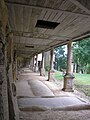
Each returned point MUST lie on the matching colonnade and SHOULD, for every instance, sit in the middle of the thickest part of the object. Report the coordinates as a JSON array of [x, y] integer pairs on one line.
[[68, 77]]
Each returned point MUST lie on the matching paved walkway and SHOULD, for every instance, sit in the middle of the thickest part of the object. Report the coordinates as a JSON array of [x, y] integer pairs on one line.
[[35, 93]]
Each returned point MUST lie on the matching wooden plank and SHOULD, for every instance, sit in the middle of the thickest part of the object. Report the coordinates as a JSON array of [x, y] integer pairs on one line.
[[82, 29], [57, 4], [49, 3], [18, 18], [63, 22], [34, 17], [12, 17], [63, 6], [67, 20], [80, 23], [47, 15], [11, 21], [62, 17], [37, 7], [80, 6], [42, 14], [70, 26], [33, 2], [40, 2], [55, 19], [52, 16], [41, 17], [50, 31], [26, 19]]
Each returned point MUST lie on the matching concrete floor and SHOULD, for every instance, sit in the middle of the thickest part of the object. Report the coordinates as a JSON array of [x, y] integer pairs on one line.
[[39, 99], [34, 92]]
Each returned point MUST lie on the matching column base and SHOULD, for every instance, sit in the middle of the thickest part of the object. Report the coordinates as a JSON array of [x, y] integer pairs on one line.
[[36, 69], [68, 90], [51, 75], [68, 83], [42, 72]]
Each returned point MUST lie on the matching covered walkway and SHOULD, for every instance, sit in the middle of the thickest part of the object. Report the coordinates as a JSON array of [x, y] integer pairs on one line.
[[34, 92], [28, 28], [38, 99]]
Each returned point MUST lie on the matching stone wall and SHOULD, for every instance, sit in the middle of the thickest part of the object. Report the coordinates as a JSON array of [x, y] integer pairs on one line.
[[7, 111], [3, 79]]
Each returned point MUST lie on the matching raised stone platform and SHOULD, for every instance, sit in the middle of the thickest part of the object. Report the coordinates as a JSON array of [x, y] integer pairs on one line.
[[54, 103]]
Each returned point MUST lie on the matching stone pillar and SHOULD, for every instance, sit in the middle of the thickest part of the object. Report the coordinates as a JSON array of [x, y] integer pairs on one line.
[[51, 60], [42, 71], [51, 71], [32, 64], [68, 78], [15, 69], [36, 64], [4, 113]]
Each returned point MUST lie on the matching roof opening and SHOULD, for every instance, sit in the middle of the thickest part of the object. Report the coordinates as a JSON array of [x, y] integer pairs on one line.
[[29, 46], [46, 24]]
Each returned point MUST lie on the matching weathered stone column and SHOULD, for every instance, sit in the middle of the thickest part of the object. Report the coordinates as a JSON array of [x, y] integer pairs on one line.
[[15, 70], [51, 71], [68, 78], [36, 64], [4, 113], [32, 64], [51, 60], [42, 71]]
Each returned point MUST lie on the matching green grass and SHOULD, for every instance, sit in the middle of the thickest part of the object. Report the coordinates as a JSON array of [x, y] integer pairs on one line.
[[58, 75], [81, 81]]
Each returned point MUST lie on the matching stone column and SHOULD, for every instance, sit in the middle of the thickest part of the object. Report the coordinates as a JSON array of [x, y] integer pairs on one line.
[[51, 60], [51, 71], [4, 113], [42, 71], [36, 64], [32, 63], [68, 78]]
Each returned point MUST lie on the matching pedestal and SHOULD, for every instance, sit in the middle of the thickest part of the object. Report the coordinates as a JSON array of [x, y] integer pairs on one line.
[[36, 69], [42, 72], [51, 75], [68, 83]]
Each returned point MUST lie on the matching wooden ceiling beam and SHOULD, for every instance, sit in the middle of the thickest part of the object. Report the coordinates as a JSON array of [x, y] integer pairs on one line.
[[42, 8], [78, 4], [82, 36]]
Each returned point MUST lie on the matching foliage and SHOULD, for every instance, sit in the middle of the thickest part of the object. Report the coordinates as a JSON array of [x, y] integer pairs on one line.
[[58, 75], [60, 57], [81, 54]]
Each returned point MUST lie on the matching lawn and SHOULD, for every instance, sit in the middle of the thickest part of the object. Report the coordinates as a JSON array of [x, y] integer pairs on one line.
[[81, 81]]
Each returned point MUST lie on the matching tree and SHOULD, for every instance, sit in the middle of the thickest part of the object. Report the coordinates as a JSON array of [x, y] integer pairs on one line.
[[81, 55], [60, 57]]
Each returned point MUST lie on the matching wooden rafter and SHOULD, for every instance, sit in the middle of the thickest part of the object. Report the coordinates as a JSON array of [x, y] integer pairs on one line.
[[78, 4], [57, 10]]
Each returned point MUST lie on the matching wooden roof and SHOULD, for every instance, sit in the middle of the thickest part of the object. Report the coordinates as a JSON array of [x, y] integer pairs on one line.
[[73, 17]]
